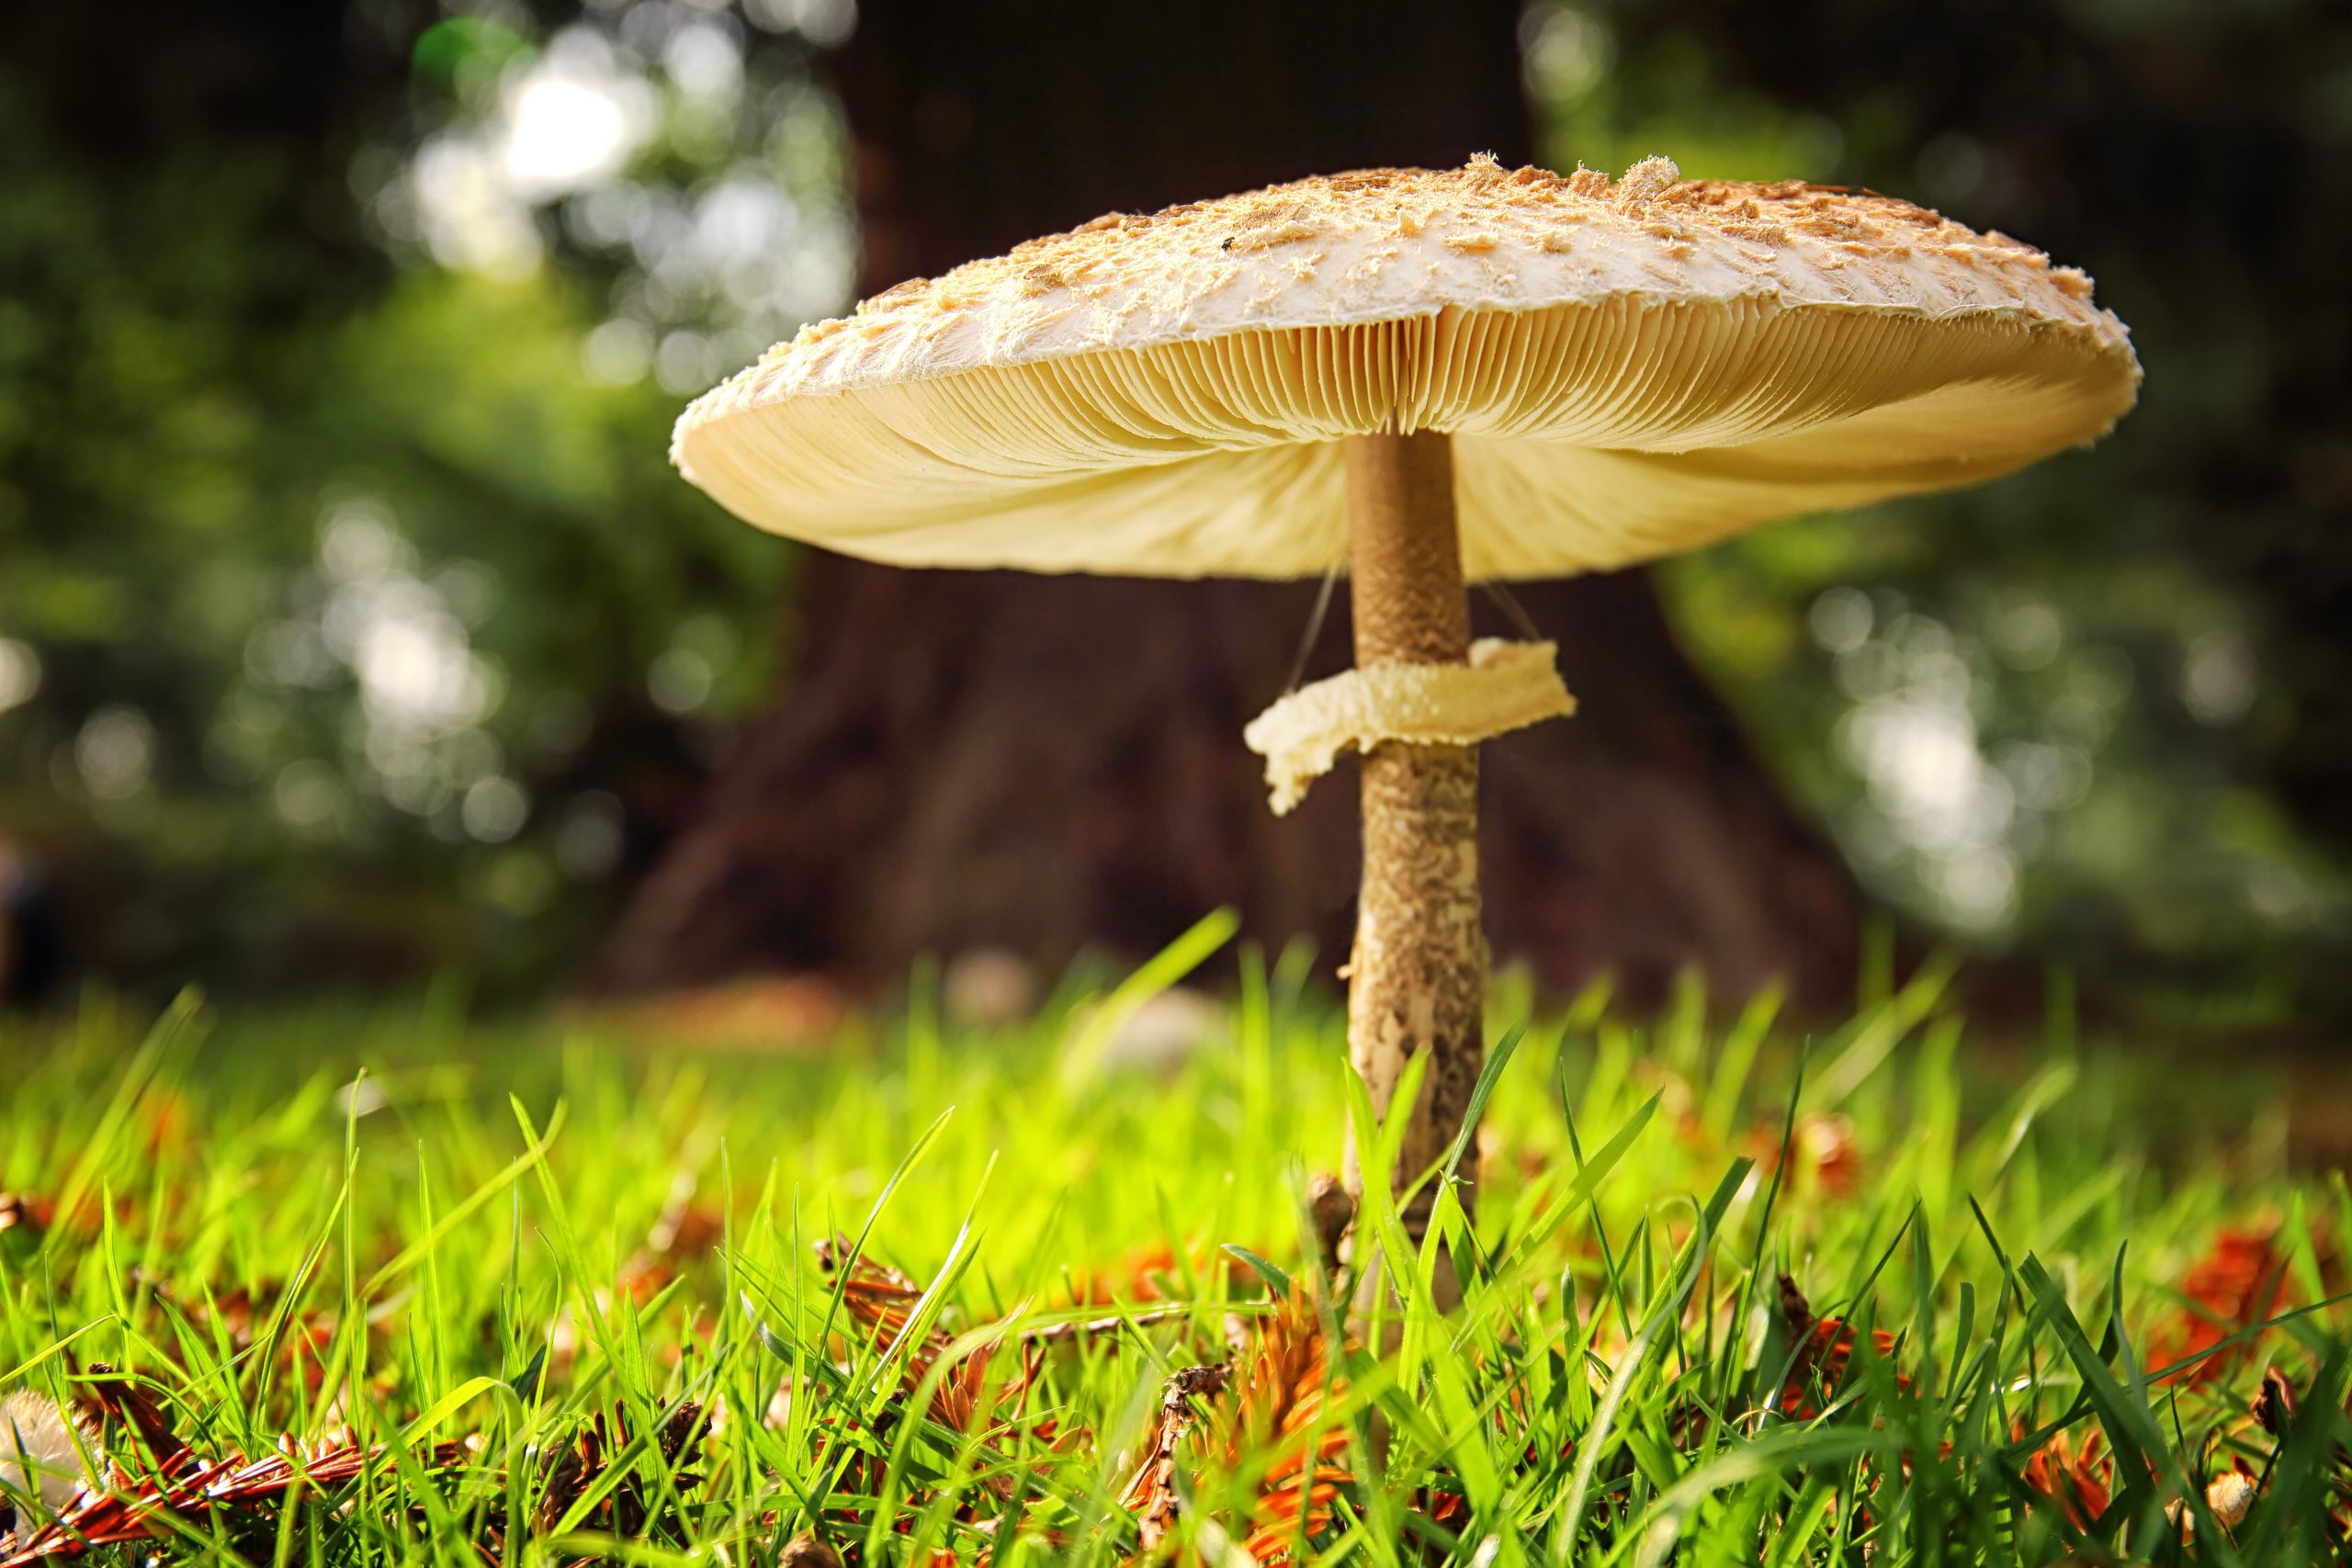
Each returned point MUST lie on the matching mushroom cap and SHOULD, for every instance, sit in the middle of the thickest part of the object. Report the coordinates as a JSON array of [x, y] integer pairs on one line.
[[1629, 368]]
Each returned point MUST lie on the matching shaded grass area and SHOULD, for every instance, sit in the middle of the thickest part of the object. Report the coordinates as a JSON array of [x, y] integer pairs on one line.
[[535, 1292]]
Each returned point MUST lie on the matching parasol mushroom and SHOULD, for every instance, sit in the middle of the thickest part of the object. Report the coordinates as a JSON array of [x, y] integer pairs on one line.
[[1428, 378]]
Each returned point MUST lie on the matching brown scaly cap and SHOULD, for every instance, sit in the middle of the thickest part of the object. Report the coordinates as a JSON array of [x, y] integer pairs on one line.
[[1633, 368]]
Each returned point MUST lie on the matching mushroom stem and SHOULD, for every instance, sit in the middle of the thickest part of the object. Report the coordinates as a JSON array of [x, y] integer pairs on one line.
[[1417, 974]]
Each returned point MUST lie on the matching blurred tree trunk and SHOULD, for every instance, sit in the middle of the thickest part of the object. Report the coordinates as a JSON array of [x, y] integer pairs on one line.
[[966, 760]]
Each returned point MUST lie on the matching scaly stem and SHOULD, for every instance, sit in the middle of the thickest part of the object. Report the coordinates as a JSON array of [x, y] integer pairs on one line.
[[1419, 971]]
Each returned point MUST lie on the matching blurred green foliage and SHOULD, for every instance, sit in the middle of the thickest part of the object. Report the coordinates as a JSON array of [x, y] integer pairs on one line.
[[353, 626], [2097, 710]]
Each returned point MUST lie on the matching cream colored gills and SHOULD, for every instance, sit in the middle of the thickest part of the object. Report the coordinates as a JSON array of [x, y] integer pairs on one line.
[[1633, 370], [1435, 376]]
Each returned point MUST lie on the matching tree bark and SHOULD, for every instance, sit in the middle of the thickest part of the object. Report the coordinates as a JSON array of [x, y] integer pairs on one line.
[[965, 760]]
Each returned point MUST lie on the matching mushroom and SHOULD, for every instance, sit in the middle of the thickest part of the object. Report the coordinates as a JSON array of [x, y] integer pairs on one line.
[[1430, 377]]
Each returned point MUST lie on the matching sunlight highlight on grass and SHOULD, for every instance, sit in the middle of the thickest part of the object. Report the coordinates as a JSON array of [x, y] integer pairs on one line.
[[1736, 1293]]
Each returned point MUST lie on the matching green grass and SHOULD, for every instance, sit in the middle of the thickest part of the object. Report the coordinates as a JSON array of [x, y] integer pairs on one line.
[[435, 1255]]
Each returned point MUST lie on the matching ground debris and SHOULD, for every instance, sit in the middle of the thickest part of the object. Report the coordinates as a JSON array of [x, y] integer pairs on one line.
[[1824, 1348], [188, 1488], [574, 1471], [1151, 1494], [2239, 1282]]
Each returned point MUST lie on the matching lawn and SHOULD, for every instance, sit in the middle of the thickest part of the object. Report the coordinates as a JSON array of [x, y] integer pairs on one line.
[[1887, 1293]]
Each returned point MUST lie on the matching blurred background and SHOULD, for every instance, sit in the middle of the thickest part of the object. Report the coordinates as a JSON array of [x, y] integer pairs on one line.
[[355, 632]]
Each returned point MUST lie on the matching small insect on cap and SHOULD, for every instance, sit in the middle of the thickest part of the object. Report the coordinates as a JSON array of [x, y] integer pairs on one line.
[[1630, 370]]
